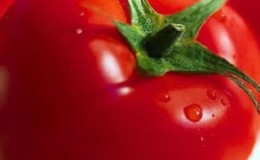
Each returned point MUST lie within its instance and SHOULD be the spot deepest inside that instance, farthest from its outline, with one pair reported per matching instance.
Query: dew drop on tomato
(79, 31)
(193, 112)
(224, 102)
(202, 139)
(82, 14)
(164, 98)
(221, 16)
(212, 94)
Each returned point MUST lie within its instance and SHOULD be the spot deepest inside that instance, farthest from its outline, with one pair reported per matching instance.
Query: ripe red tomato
(74, 92)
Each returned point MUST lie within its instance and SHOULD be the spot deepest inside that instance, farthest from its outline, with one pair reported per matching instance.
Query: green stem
(162, 42)
(168, 43)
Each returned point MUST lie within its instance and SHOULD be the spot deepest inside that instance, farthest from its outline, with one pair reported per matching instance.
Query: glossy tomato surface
(249, 12)
(73, 92)
(4, 5)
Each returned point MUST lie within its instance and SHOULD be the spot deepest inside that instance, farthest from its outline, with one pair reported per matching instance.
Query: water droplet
(202, 139)
(193, 112)
(79, 30)
(212, 94)
(82, 14)
(223, 101)
(221, 16)
(164, 98)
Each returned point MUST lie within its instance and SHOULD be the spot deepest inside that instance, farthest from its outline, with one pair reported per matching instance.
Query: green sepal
(194, 16)
(168, 43)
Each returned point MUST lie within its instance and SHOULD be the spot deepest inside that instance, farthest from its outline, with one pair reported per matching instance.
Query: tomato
(74, 91)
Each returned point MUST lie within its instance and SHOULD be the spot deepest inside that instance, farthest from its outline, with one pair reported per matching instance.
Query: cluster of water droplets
(194, 111)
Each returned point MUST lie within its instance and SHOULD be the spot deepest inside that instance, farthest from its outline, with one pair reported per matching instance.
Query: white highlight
(111, 68)
(256, 152)
(125, 90)
(227, 46)
(79, 30)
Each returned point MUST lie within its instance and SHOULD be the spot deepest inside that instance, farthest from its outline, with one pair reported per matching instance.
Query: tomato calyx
(167, 43)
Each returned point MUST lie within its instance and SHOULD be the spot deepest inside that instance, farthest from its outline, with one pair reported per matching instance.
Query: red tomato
(74, 92)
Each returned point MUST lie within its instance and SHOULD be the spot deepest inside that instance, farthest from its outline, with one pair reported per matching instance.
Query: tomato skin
(249, 12)
(4, 5)
(158, 123)
(62, 102)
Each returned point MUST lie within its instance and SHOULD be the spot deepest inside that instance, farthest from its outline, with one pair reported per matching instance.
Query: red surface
(64, 101)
